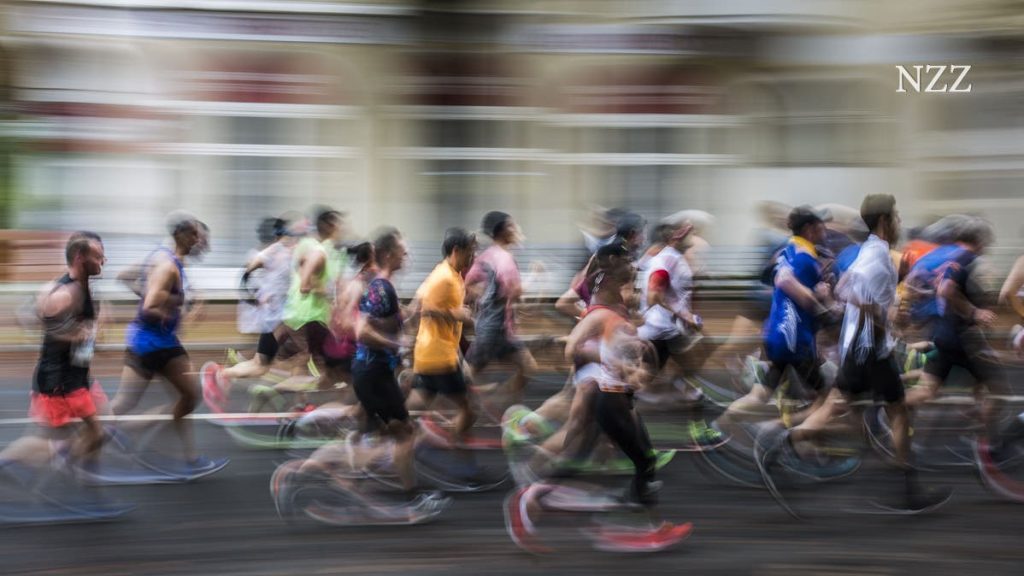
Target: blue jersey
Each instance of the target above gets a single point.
(790, 330)
(144, 335)
(922, 282)
(845, 259)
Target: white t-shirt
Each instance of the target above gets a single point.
(871, 279)
(274, 280)
(660, 323)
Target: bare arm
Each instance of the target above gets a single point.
(370, 333)
(131, 277)
(956, 301)
(584, 332)
(446, 307)
(568, 304)
(656, 297)
(58, 306)
(797, 292)
(312, 265)
(162, 280)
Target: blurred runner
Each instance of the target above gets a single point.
(443, 315)
(263, 314)
(61, 386)
(494, 285)
(152, 337)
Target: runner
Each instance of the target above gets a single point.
(868, 364)
(61, 386)
(307, 307)
(800, 303)
(379, 336)
(152, 338)
(957, 332)
(666, 285)
(443, 315)
(265, 312)
(629, 231)
(608, 284)
(626, 364)
(494, 284)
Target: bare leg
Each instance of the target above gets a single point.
(133, 385)
(178, 372)
(403, 455)
(254, 368)
(899, 420)
(29, 450)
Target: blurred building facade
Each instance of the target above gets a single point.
(427, 114)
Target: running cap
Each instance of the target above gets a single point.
(803, 215)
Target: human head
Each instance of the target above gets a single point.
(329, 223)
(270, 230)
(389, 248)
(677, 229)
(187, 232)
(629, 227)
(977, 234)
(806, 222)
(84, 253)
(613, 264)
(501, 227)
(881, 217)
(460, 247)
(946, 230)
(361, 254)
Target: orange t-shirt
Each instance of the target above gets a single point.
(437, 342)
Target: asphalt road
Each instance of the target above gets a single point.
(226, 524)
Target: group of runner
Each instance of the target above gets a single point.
(337, 305)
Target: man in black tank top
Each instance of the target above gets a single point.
(60, 388)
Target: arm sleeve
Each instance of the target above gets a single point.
(659, 280)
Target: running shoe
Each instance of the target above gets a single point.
(624, 539)
(202, 466)
(706, 437)
(427, 505)
(213, 394)
(517, 521)
(768, 446)
(992, 476)
(921, 501)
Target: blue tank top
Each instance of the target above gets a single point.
(145, 335)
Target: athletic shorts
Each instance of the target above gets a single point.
(982, 367)
(667, 348)
(488, 347)
(378, 392)
(880, 376)
(56, 410)
(808, 370)
(267, 345)
(152, 363)
(310, 337)
(451, 384)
